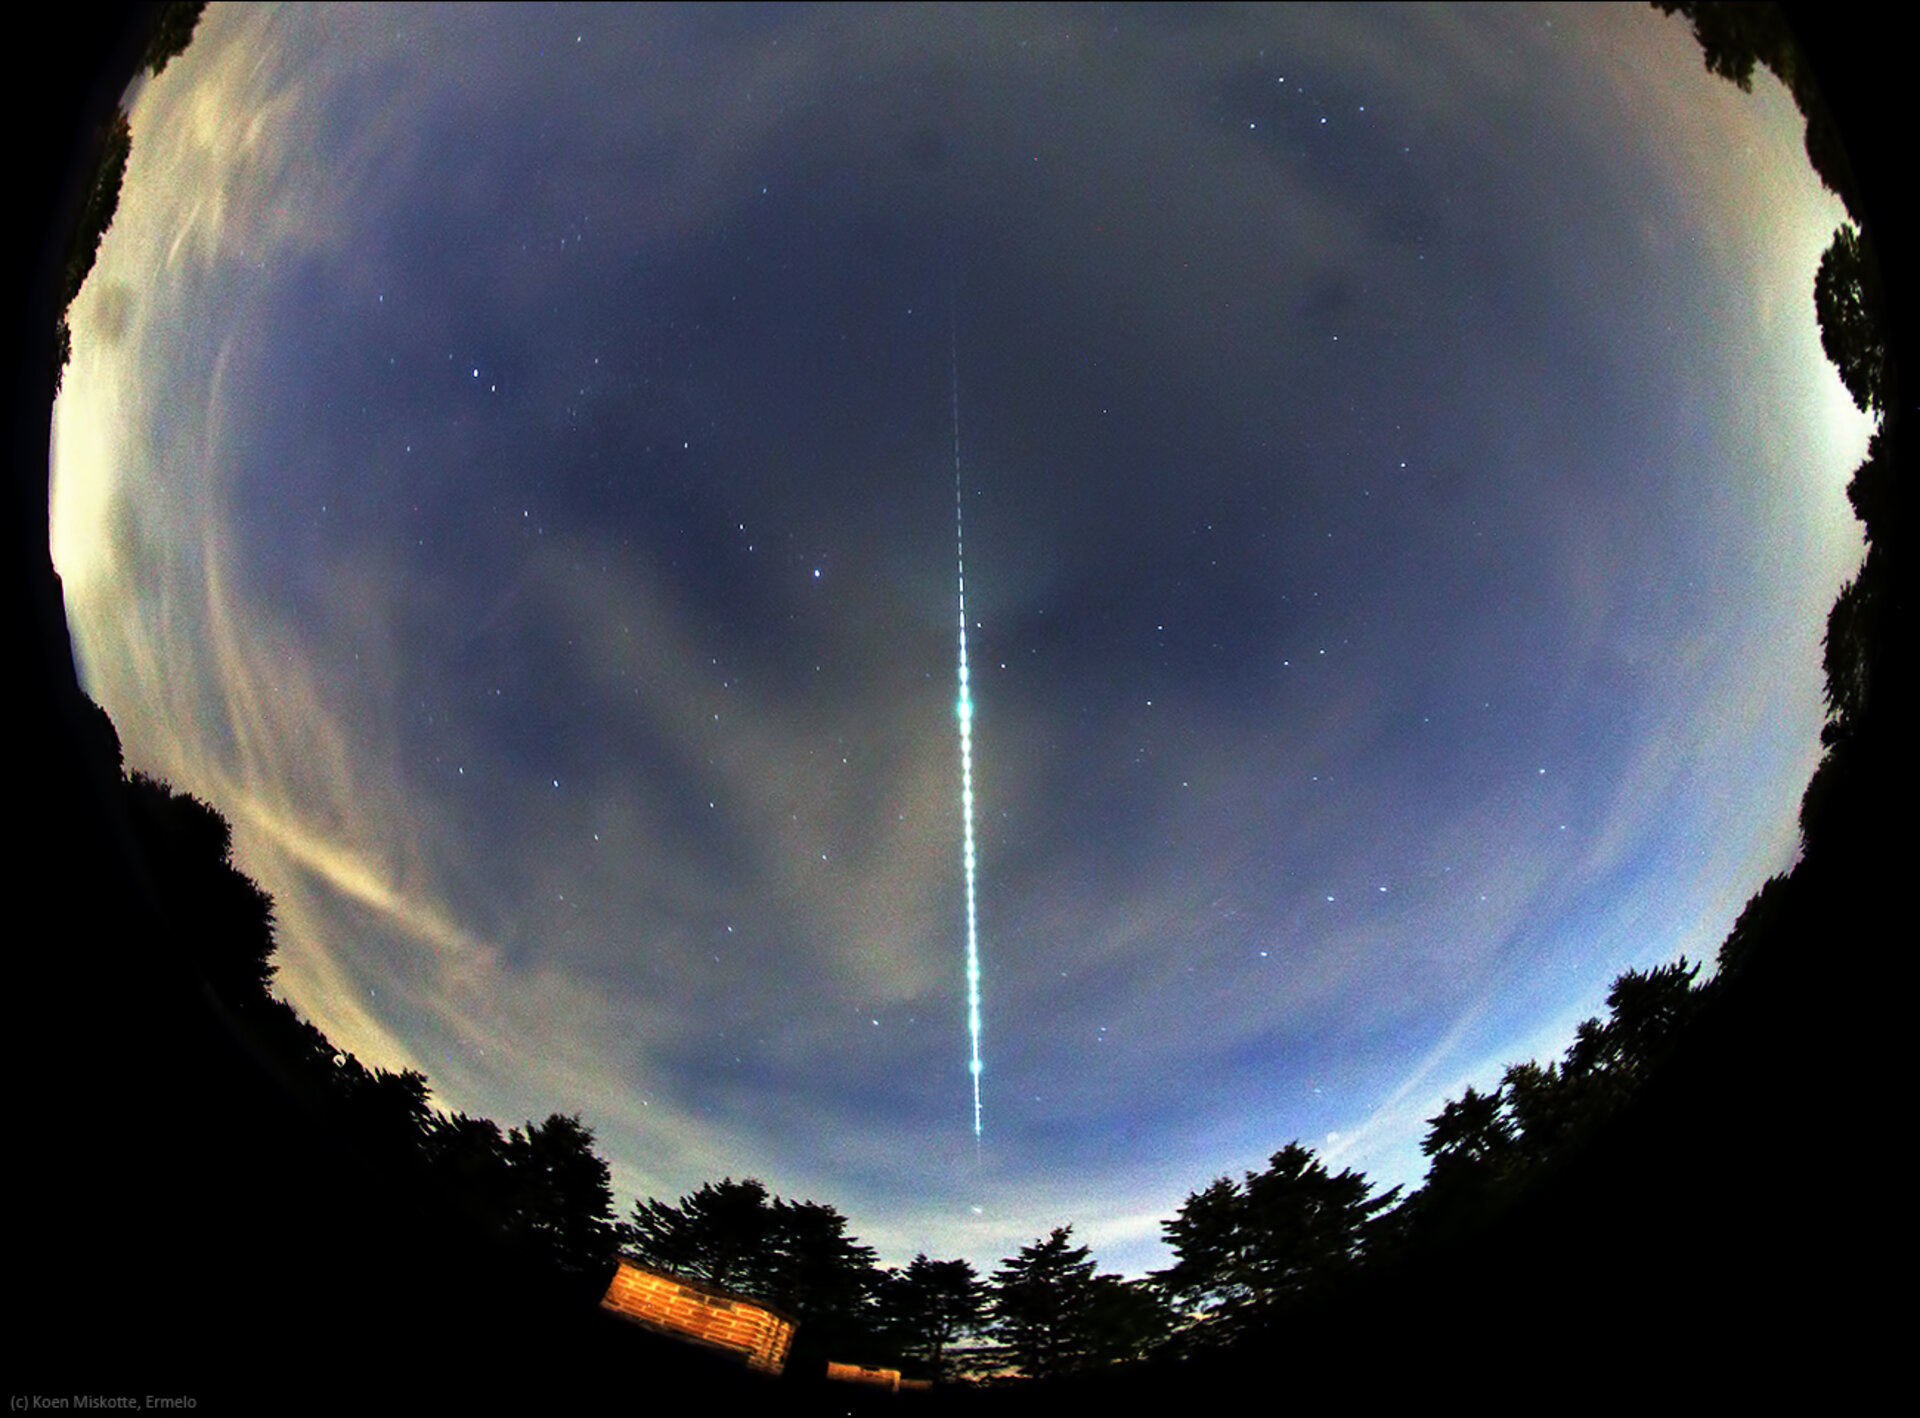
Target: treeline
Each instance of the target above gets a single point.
(172, 33)
(213, 1199)
(540, 1190)
(1044, 1311)
(1248, 1253)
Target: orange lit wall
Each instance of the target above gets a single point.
(687, 1310)
(880, 1378)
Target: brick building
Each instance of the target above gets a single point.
(701, 1314)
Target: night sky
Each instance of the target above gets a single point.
(507, 467)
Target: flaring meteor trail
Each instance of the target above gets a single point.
(964, 709)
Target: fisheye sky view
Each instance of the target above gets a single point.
(507, 466)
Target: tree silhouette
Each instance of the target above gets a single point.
(1648, 1009)
(1301, 1225)
(1487, 1147)
(1872, 491)
(1848, 649)
(562, 1195)
(1847, 302)
(172, 32)
(102, 201)
(1735, 36)
(1125, 1319)
(795, 1255)
(1471, 1141)
(929, 1305)
(1606, 1063)
(1756, 922)
(822, 1275)
(467, 1158)
(1480, 1151)
(385, 1114)
(1550, 1108)
(222, 920)
(1214, 1272)
(1043, 1306)
(1286, 1233)
(723, 1234)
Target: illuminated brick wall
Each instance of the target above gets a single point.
(687, 1310)
(880, 1378)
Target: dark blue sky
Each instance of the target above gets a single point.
(507, 467)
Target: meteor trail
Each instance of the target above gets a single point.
(964, 709)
